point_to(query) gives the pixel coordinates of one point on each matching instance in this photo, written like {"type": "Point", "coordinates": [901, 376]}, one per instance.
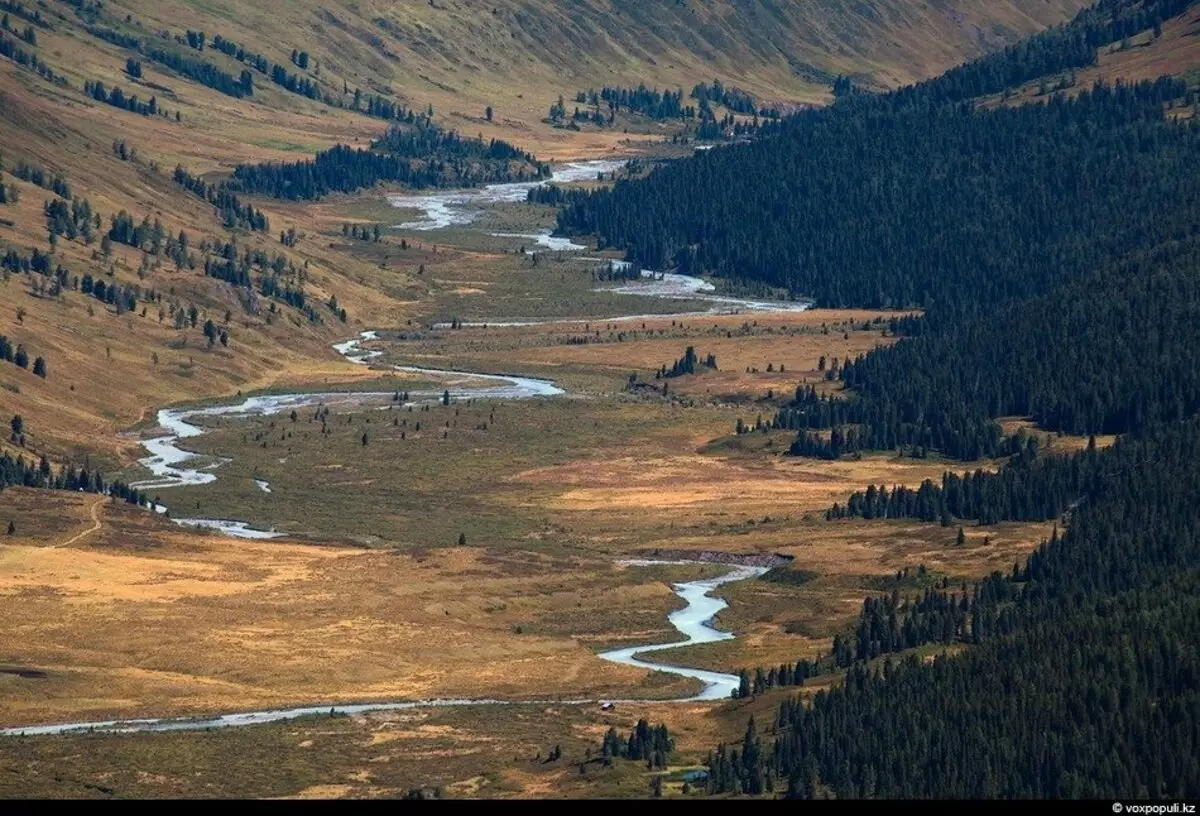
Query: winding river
{"type": "Point", "coordinates": [173, 466]}
{"type": "Point", "coordinates": [694, 622]}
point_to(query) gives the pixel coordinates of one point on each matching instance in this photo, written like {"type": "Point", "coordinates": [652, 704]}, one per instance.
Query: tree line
{"type": "Point", "coordinates": [117, 97]}
{"type": "Point", "coordinates": [424, 156]}
{"type": "Point", "coordinates": [1081, 654]}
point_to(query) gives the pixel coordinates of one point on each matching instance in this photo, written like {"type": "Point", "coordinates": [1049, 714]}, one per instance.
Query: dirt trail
{"type": "Point", "coordinates": [94, 512]}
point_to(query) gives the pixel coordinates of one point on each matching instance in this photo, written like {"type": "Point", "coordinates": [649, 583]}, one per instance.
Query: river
{"type": "Point", "coordinates": [173, 466]}
{"type": "Point", "coordinates": [694, 622]}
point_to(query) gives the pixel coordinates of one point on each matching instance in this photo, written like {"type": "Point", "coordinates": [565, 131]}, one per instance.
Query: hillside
{"type": "Point", "coordinates": [233, 83]}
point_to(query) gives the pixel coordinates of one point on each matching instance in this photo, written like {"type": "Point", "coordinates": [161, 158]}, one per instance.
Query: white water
{"type": "Point", "coordinates": [663, 285]}
{"type": "Point", "coordinates": [546, 239]}
{"type": "Point", "coordinates": [460, 207]}
{"type": "Point", "coordinates": [694, 621]}
{"type": "Point", "coordinates": [236, 529]}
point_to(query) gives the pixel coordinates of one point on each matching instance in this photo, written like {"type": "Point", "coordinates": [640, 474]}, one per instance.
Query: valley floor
{"type": "Point", "coordinates": [466, 550]}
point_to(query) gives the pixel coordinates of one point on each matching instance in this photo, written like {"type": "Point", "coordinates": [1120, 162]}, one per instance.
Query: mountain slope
{"type": "Point", "coordinates": [280, 85]}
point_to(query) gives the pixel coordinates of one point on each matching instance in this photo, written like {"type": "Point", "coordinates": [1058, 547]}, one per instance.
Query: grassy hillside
{"type": "Point", "coordinates": [108, 367]}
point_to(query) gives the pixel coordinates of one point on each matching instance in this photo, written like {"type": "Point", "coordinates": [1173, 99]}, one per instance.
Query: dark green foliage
{"type": "Point", "coordinates": [652, 745]}
{"type": "Point", "coordinates": [947, 225]}
{"type": "Point", "coordinates": [1028, 488]}
{"type": "Point", "coordinates": [735, 99]}
{"type": "Point", "coordinates": [20, 11]}
{"type": "Point", "coordinates": [689, 363]}
{"type": "Point", "coordinates": [425, 156]}
{"type": "Point", "coordinates": [28, 59]}
{"type": "Point", "coordinates": [1062, 48]}
{"type": "Point", "coordinates": [234, 212]}
{"type": "Point", "coordinates": [17, 472]}
{"type": "Point", "coordinates": [1081, 653]}
{"type": "Point", "coordinates": [655, 104]}
{"type": "Point", "coordinates": [295, 83]}
{"type": "Point", "coordinates": [117, 98]}
{"type": "Point", "coordinates": [115, 37]}
{"type": "Point", "coordinates": [42, 178]}
{"type": "Point", "coordinates": [204, 72]}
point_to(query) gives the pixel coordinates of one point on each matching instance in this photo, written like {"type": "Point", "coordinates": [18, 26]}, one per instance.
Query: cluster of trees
{"type": "Point", "coordinates": [116, 97]}
{"type": "Point", "coordinates": [689, 363]}
{"type": "Point", "coordinates": [123, 297]}
{"type": "Point", "coordinates": [18, 10]}
{"type": "Point", "coordinates": [17, 472]}
{"type": "Point", "coordinates": [616, 272]}
{"type": "Point", "coordinates": [53, 280]}
{"type": "Point", "coordinates": [28, 59]}
{"type": "Point", "coordinates": [117, 38]}
{"type": "Point", "coordinates": [27, 34]}
{"type": "Point", "coordinates": [735, 99]}
{"type": "Point", "coordinates": [1028, 488]}
{"type": "Point", "coordinates": [200, 70]}
{"type": "Point", "coordinates": [235, 213]}
{"type": "Point", "coordinates": [295, 83]}
{"type": "Point", "coordinates": [652, 745]}
{"type": "Point", "coordinates": [72, 220]}
{"type": "Point", "coordinates": [362, 232]}
{"type": "Point", "coordinates": [552, 194]}
{"type": "Point", "coordinates": [53, 182]}
{"type": "Point", "coordinates": [424, 156]}
{"type": "Point", "coordinates": [205, 73]}
{"type": "Point", "coordinates": [145, 235]}
{"type": "Point", "coordinates": [380, 108]}
{"type": "Point", "coordinates": [786, 674]}
{"type": "Point", "coordinates": [651, 102]}
{"type": "Point", "coordinates": [785, 209]}
{"type": "Point", "coordinates": [340, 313]}
{"type": "Point", "coordinates": [19, 356]}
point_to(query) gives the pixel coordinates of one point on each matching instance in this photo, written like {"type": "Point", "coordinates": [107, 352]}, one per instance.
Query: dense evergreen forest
{"type": "Point", "coordinates": [418, 157]}
{"type": "Point", "coordinates": [965, 207]}
{"type": "Point", "coordinates": [1035, 237]}
{"type": "Point", "coordinates": [1084, 680]}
